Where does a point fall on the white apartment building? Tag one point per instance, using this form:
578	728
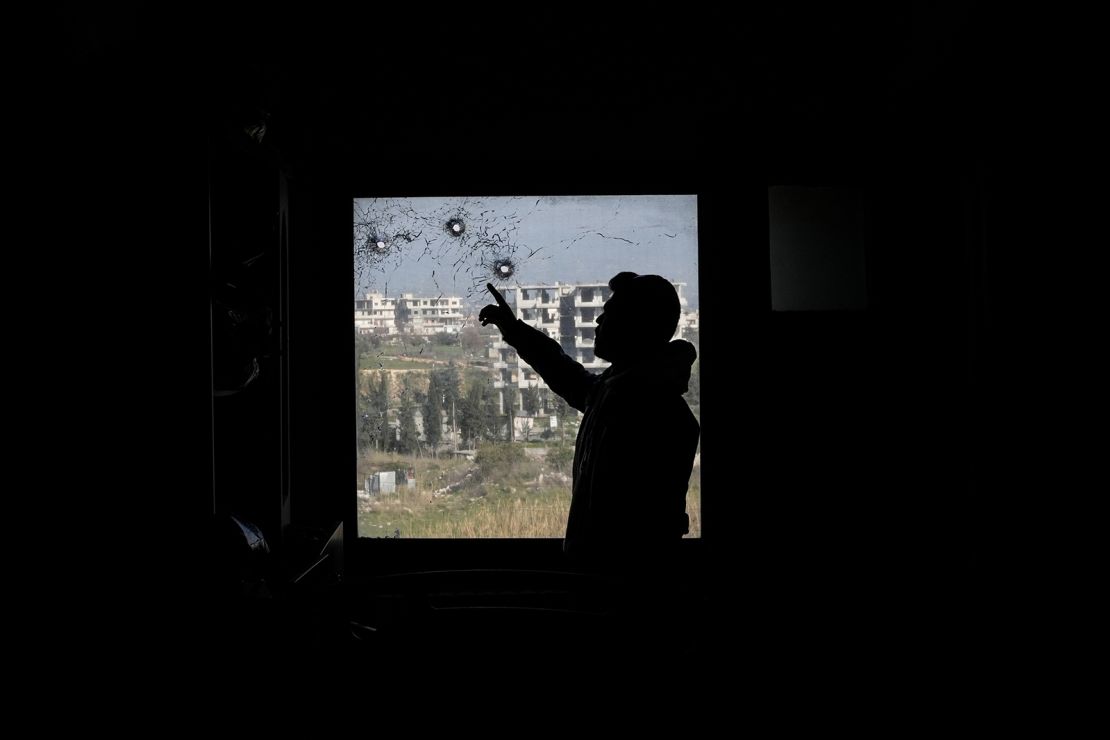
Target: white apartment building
568	314
424	317
409	314
376	314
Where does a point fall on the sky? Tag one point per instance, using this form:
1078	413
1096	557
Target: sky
410	245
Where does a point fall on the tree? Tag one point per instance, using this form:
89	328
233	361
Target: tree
472	340
561	409
408	441
471	422
556	404
448	381
378	397
478	415
371	414
365	423
443	394
490	411
496	460
560	457
432	411
362	346
445	339
532	400
510	408
382	392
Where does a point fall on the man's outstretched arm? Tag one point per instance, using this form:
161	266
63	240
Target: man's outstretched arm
562	374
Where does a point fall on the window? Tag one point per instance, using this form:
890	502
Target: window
489	446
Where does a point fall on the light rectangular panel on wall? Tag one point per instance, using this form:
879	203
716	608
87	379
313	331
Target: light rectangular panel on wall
818	249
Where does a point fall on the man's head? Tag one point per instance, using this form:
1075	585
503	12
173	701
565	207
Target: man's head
640	315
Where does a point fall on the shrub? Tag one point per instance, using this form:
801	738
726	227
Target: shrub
560	458
497	459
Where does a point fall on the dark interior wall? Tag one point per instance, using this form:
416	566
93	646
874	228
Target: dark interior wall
864	466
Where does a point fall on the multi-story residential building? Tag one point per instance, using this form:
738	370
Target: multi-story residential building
424	317
409	314
376	314
568	314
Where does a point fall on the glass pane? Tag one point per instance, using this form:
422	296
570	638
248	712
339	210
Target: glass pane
457	435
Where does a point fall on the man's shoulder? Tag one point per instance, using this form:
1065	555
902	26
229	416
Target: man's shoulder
638	402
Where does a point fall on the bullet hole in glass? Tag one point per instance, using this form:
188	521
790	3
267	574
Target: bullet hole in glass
455	227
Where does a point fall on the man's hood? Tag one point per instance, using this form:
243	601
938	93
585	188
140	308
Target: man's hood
668	368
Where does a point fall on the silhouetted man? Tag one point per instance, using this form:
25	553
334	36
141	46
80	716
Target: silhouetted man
636	443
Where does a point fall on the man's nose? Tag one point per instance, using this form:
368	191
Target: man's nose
599	318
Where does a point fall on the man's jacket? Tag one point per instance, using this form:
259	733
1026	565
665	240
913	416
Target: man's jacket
635	447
